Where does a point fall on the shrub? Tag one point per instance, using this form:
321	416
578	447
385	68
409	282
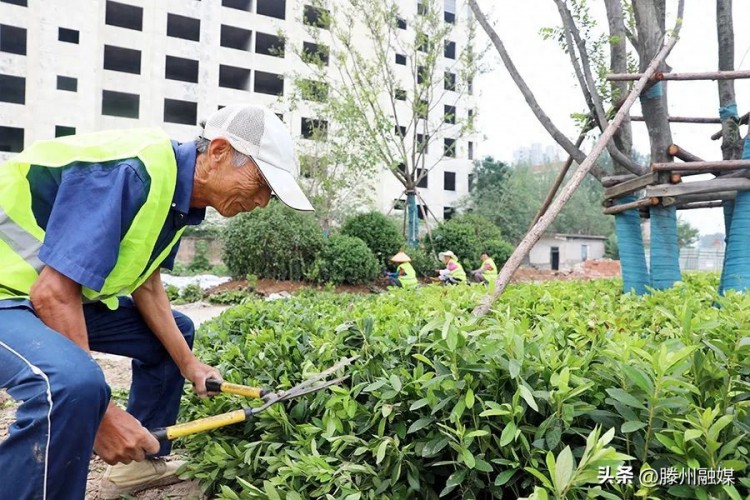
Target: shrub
345	259
200	261
457	237
499	250
560	379
191	293
381	235
172	292
423	263
484	229
275	242
468	235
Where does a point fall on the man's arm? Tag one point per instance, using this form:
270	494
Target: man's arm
153	304
57	302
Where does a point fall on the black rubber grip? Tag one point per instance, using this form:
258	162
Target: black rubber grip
160	434
213	385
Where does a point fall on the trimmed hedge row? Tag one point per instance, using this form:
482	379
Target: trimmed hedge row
560	380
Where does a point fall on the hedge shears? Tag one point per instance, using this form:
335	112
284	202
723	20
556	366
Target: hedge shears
269	397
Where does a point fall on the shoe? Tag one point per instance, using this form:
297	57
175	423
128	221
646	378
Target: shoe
126	479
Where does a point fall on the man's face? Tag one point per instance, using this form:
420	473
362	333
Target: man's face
238	189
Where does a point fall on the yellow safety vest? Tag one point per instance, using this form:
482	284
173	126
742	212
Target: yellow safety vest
21	236
491	273
458	273
409	279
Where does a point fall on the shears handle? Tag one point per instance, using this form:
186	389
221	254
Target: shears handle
201	424
213	385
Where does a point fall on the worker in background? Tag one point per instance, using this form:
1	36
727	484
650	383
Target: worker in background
86	222
487	272
405	275
454	272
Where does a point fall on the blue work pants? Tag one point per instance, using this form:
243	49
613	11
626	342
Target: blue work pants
63	395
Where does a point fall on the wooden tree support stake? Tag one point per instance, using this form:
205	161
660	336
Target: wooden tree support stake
700	187
678	152
613	180
643	202
528	241
683	119
668	201
701	166
658	76
699	204
630	186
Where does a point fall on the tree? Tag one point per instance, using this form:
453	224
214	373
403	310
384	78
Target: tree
511	201
687	235
393	116
646	33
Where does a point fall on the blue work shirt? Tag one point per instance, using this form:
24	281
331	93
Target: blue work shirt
86	209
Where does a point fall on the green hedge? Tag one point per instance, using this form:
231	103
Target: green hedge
559	380
274	242
381	235
345	259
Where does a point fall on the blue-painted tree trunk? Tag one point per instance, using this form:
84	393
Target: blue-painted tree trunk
665	250
736	272
412	220
635	276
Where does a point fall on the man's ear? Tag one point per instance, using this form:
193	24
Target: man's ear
218	150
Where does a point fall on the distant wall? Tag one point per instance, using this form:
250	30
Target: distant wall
187	250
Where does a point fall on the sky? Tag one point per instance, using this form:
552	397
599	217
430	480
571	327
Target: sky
508	124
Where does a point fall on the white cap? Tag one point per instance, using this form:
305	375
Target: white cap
257	132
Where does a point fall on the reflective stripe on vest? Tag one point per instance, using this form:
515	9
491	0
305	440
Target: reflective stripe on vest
458	273
409	279
20	234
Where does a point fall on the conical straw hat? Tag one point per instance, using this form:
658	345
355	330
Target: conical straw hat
400	258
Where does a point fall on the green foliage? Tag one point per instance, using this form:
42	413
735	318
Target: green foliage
499	250
512	200
200	261
687	235
173	293
423	262
275	242
468	235
611	249
191	293
381	234
560	379
229	297
457	237
345	259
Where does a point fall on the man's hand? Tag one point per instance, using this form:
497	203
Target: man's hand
197	373
121	438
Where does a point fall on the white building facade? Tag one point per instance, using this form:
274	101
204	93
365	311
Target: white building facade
560	252
78	66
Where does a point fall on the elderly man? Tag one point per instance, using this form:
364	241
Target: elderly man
85	224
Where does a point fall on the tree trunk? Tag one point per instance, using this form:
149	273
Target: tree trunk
412	219
506	273
665	266
635	276
735	272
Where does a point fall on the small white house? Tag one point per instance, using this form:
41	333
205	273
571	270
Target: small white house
563	251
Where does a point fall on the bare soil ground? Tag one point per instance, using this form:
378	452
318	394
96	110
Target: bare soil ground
118	373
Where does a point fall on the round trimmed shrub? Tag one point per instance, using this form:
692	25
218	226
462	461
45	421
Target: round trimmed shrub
345	259
457	237
273	242
499	250
381	235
